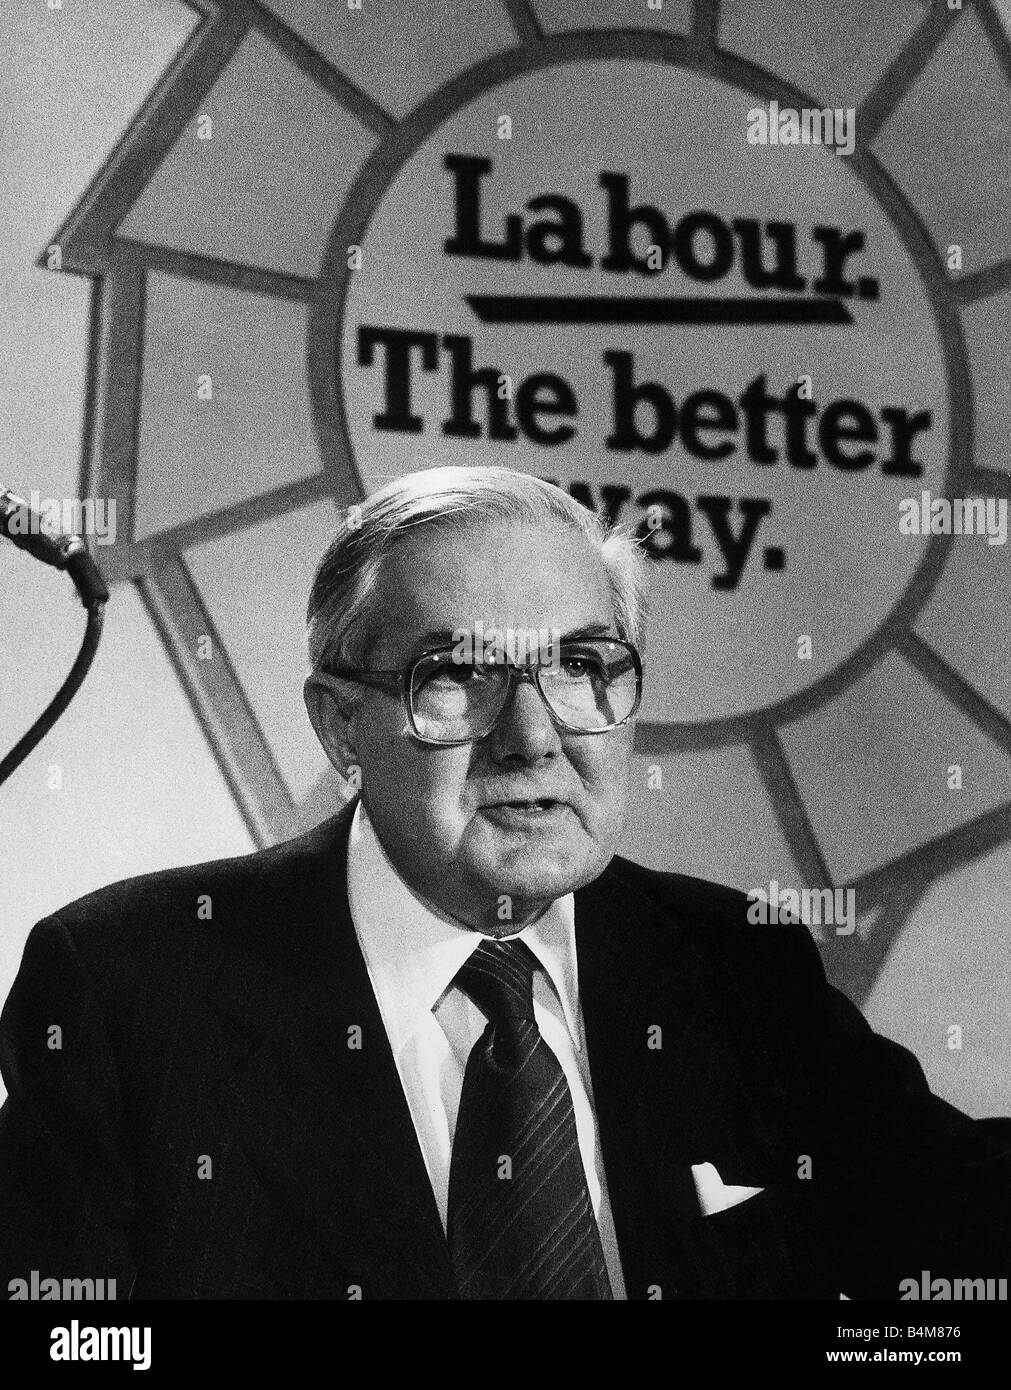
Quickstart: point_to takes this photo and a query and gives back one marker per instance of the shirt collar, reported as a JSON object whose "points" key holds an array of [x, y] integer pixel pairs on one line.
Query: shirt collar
{"points": [[413, 951]]}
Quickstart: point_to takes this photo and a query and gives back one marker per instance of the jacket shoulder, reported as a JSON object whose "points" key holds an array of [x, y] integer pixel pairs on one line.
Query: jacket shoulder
{"points": [[707, 901], [241, 884], [714, 919]]}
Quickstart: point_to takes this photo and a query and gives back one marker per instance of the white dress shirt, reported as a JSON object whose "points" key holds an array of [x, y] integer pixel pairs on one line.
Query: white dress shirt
{"points": [[413, 953]]}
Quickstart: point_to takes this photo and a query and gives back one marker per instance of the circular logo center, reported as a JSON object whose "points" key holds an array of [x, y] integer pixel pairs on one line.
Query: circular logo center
{"points": [[628, 278]]}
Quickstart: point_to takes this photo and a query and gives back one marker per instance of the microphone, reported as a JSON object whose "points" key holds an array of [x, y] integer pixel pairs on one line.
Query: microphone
{"points": [[24, 527]]}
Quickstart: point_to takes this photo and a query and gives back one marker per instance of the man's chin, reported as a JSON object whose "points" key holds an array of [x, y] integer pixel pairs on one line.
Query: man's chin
{"points": [[532, 873]]}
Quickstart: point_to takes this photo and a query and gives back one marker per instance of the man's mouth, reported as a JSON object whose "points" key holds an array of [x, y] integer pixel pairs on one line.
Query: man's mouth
{"points": [[519, 812], [542, 805]]}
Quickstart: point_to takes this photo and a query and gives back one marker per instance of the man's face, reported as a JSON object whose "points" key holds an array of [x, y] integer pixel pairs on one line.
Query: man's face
{"points": [[439, 811]]}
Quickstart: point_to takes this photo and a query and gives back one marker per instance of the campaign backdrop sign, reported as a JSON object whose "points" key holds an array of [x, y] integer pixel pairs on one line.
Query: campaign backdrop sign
{"points": [[606, 274]]}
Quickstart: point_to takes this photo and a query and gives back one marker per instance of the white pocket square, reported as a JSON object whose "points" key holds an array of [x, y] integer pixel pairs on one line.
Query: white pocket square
{"points": [[714, 1195]]}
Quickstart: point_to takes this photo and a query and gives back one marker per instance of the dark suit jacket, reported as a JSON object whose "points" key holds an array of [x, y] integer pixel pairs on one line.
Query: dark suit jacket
{"points": [[187, 1038]]}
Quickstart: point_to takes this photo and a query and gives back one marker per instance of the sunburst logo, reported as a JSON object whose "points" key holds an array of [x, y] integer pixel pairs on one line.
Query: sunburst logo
{"points": [[343, 242]]}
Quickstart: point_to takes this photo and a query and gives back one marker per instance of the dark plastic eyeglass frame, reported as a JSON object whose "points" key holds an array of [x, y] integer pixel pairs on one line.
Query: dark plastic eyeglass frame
{"points": [[400, 680]]}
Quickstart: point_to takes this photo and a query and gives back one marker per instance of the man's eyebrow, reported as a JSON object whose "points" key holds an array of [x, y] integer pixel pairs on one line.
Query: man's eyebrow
{"points": [[444, 636], [588, 630], [429, 641]]}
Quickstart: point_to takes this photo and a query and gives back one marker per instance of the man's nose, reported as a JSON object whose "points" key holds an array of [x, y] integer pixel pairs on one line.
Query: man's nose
{"points": [[524, 728]]}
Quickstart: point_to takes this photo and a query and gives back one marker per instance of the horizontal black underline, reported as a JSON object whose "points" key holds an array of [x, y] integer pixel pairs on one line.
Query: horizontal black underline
{"points": [[548, 308]]}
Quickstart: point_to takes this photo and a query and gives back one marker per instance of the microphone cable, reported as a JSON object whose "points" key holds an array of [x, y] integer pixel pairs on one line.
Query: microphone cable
{"points": [[24, 527]]}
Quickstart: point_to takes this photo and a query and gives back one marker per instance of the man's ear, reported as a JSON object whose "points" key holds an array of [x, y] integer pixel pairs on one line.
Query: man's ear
{"points": [[330, 708]]}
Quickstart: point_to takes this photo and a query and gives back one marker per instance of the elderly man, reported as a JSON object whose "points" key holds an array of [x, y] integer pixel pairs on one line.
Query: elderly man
{"points": [[450, 1045]]}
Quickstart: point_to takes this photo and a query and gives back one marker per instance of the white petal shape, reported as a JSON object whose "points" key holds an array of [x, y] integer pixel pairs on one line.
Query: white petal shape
{"points": [[265, 188], [966, 619], [872, 768], [946, 146], [710, 817], [395, 51], [951, 968], [987, 325], [834, 52], [558, 16], [255, 584], [254, 434]]}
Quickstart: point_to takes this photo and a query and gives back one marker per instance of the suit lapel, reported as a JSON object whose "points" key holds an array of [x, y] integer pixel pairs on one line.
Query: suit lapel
{"points": [[639, 1075], [711, 1089], [312, 1090]]}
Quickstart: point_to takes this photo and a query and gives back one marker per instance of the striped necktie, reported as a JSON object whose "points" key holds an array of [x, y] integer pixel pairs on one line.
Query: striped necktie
{"points": [[521, 1224]]}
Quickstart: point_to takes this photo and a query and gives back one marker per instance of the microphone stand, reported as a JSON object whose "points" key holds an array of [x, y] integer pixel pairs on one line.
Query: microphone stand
{"points": [[24, 527]]}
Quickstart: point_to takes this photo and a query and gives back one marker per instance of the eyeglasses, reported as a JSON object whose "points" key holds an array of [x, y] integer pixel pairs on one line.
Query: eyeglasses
{"points": [[589, 686]]}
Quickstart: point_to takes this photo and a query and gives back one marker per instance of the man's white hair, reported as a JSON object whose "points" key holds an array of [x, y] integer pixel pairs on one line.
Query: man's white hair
{"points": [[341, 620]]}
